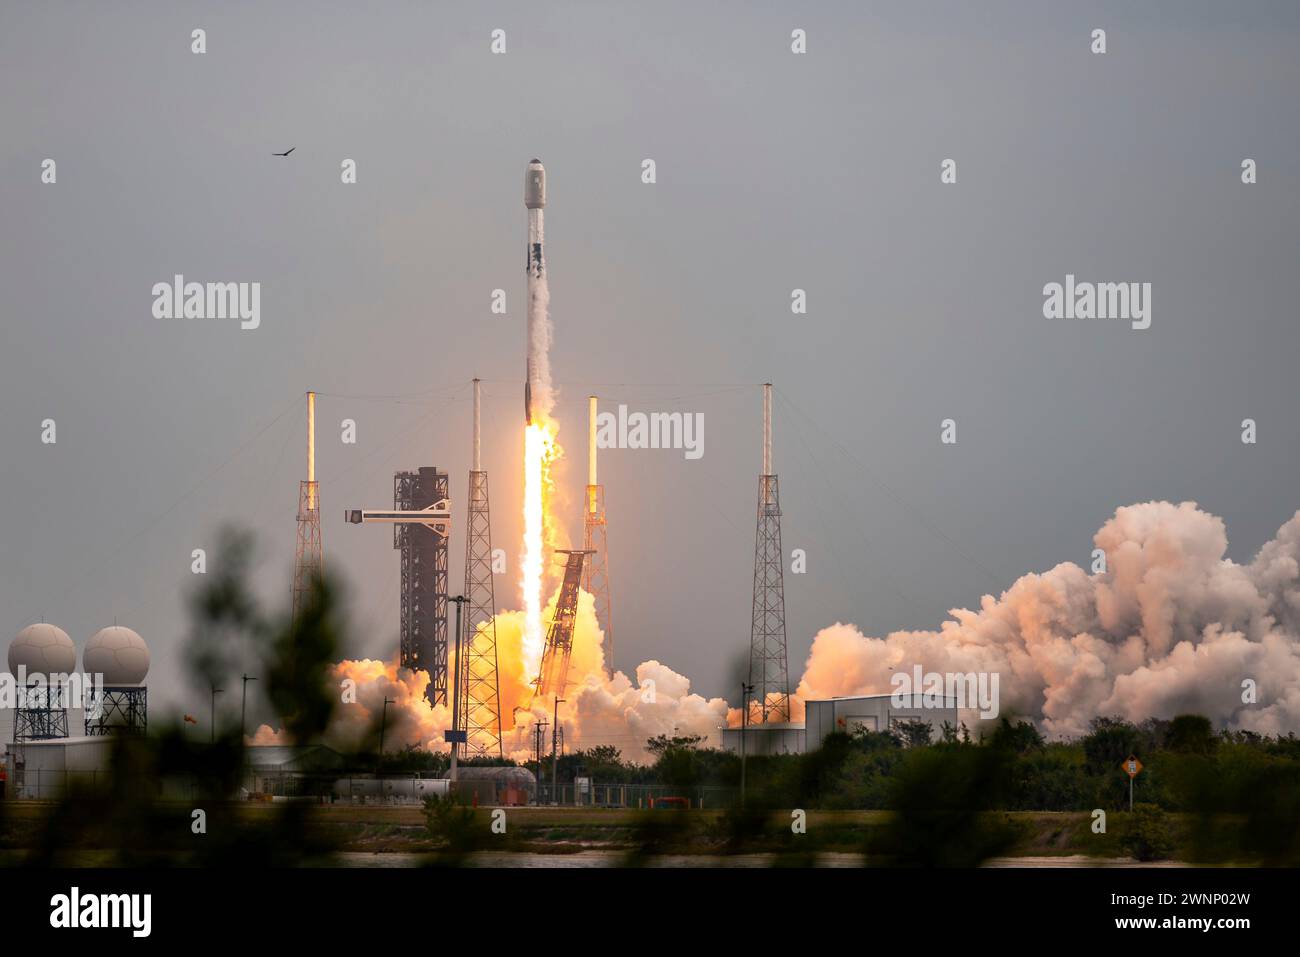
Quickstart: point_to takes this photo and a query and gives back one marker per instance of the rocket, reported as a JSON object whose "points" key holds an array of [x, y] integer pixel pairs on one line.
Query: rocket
{"points": [[535, 202]]}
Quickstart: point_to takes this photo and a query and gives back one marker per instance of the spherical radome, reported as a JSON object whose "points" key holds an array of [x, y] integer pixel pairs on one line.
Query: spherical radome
{"points": [[119, 654], [43, 649]]}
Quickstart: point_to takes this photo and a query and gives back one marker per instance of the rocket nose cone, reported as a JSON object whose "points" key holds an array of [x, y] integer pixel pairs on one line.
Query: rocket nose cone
{"points": [[535, 185]]}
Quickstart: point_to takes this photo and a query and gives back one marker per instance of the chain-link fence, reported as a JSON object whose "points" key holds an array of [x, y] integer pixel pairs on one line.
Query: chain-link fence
{"points": [[595, 794], [262, 785]]}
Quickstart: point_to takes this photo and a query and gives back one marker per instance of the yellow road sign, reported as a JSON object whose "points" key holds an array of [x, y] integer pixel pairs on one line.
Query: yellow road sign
{"points": [[1131, 766]]}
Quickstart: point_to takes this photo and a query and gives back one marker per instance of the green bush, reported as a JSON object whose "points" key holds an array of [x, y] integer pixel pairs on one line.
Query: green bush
{"points": [[1146, 834]]}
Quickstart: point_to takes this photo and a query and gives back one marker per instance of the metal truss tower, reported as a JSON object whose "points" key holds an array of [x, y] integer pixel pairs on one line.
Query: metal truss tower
{"points": [[477, 684], [42, 712], [307, 558], [123, 710], [595, 575], [768, 668], [554, 671]]}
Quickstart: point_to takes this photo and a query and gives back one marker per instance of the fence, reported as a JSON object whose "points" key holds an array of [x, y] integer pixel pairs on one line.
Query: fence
{"points": [[632, 795], [53, 785]]}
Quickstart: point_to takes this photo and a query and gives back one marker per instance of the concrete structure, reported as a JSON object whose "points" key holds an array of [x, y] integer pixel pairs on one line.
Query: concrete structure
{"points": [[870, 713], [46, 770]]}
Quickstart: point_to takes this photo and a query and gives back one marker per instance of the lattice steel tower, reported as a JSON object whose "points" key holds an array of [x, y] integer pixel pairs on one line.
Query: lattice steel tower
{"points": [[307, 559], [424, 577], [768, 668], [595, 574], [476, 684]]}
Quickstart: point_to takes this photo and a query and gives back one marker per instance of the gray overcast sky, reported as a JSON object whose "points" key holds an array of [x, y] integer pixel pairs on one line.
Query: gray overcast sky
{"points": [[775, 171]]}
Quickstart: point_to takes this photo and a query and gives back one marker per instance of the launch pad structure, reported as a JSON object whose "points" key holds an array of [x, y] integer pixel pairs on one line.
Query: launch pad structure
{"points": [[423, 642], [554, 671], [595, 574], [421, 520]]}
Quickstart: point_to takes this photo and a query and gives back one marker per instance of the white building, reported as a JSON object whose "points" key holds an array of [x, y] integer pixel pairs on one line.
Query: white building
{"points": [[772, 738], [44, 770], [821, 718], [873, 713]]}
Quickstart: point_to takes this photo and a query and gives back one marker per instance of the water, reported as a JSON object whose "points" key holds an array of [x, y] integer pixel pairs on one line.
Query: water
{"points": [[616, 858]]}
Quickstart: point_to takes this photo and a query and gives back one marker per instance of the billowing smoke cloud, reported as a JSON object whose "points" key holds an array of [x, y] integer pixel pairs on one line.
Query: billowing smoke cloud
{"points": [[1171, 626], [621, 711]]}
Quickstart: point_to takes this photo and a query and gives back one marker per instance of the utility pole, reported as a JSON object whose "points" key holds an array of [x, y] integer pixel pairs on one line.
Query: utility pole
{"points": [[555, 755], [457, 732], [212, 715], [745, 691], [383, 722], [539, 729], [243, 706]]}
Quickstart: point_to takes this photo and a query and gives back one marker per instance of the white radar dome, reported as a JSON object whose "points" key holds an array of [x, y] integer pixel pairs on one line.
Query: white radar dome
{"points": [[43, 649], [119, 654]]}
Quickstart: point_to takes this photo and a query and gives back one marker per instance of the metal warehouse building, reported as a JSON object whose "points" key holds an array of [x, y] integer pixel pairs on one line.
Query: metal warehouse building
{"points": [[772, 738], [871, 713], [821, 718], [44, 770]]}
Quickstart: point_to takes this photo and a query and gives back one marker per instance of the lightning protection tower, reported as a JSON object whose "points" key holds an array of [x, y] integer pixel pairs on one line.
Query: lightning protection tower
{"points": [[307, 559], [768, 670], [595, 574], [476, 684]]}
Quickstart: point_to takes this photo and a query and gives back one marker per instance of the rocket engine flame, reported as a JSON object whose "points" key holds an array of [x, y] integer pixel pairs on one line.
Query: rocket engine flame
{"points": [[540, 451]]}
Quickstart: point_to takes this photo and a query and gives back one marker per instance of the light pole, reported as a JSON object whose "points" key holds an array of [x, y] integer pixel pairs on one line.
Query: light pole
{"points": [[243, 707], [555, 754], [212, 715], [745, 691], [383, 721], [539, 735]]}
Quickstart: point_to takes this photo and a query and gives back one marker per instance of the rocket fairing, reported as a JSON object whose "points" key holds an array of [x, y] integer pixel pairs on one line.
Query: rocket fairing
{"points": [[535, 201]]}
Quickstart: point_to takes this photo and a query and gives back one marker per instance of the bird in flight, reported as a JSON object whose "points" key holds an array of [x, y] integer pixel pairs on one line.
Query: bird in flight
{"points": [[286, 152]]}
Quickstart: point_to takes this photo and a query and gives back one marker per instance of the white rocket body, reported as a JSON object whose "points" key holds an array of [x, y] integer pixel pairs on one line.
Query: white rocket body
{"points": [[535, 201]]}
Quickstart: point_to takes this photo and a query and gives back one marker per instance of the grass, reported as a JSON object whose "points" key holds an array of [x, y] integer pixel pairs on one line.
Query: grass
{"points": [[402, 828]]}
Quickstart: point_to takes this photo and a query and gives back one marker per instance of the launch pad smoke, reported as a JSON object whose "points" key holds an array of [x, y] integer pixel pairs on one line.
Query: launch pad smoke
{"points": [[1171, 627]]}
